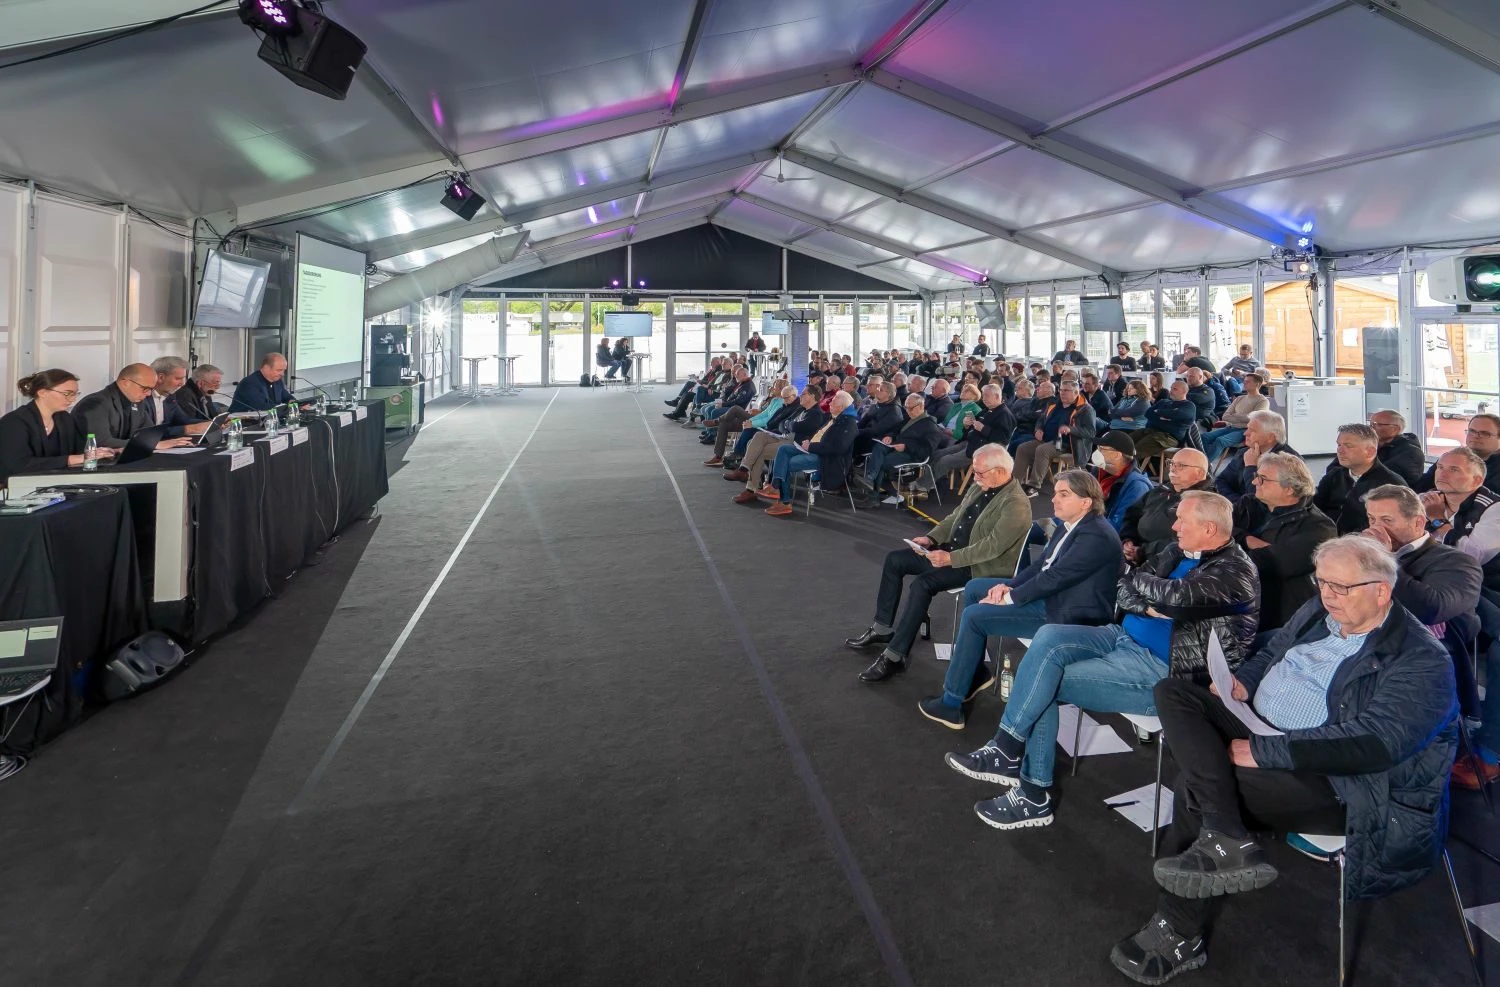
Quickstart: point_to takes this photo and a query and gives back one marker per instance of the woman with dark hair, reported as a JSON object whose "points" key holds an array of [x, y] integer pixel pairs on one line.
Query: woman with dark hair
{"points": [[41, 435], [1157, 385]]}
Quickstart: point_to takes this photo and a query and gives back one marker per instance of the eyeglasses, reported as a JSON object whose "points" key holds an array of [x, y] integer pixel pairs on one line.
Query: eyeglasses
{"points": [[70, 395], [1260, 478], [1375, 424], [145, 387], [1341, 589], [1482, 435], [1182, 467]]}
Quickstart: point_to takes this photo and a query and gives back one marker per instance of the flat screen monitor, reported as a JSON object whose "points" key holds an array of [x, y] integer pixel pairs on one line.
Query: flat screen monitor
{"points": [[328, 344], [991, 316], [773, 327], [627, 323], [232, 292], [1102, 313]]}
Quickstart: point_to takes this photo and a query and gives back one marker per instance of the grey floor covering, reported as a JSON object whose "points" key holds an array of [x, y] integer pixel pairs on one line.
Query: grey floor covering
{"points": [[579, 770]]}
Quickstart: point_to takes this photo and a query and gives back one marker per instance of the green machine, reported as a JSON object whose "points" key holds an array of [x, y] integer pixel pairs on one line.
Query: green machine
{"points": [[404, 403]]}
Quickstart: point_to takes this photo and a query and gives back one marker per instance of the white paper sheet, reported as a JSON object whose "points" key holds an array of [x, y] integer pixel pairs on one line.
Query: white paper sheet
{"points": [[1218, 670], [944, 652], [180, 450], [1486, 918], [1135, 805], [12, 643], [1095, 738]]}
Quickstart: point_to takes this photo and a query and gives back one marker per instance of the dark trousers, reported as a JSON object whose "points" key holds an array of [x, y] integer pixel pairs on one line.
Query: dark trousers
{"points": [[731, 422], [928, 581], [1211, 791]]}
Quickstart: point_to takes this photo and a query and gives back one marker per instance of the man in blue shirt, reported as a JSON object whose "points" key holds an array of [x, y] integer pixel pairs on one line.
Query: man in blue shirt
{"points": [[263, 389], [1211, 584], [1364, 698]]}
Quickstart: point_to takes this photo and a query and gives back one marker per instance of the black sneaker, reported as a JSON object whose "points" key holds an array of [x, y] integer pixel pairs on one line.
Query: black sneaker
{"points": [[1157, 953], [983, 679], [988, 763], [1215, 864], [1015, 811], [940, 712]]}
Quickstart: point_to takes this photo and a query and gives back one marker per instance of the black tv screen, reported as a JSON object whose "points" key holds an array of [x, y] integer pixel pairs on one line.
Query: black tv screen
{"points": [[1102, 313], [232, 292]]}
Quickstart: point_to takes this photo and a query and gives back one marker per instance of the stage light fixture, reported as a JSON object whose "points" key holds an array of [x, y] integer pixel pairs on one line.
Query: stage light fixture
{"points": [[277, 18], [461, 198], [615, 283], [640, 284]]}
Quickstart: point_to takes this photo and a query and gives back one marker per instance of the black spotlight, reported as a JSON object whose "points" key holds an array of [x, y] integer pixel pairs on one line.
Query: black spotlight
{"points": [[305, 46], [630, 300], [460, 197]]}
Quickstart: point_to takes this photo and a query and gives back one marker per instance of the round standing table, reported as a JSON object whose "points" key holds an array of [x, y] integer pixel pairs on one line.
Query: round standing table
{"points": [[508, 374], [474, 362], [640, 384]]}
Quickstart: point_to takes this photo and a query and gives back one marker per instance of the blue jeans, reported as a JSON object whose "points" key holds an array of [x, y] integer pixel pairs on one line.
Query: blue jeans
{"points": [[1095, 668], [979, 622], [743, 442], [789, 460], [1216, 441]]}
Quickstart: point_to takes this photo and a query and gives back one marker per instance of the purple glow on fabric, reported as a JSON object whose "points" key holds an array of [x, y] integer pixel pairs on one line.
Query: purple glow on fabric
{"points": [[437, 111], [595, 114], [593, 216]]}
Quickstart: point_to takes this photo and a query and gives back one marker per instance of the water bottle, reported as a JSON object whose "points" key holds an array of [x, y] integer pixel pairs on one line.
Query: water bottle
{"points": [[291, 414], [322, 405], [271, 424], [1007, 679], [91, 453]]}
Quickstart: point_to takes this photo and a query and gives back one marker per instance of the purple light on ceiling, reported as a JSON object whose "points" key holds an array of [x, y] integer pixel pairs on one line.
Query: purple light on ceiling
{"points": [[437, 111], [593, 216], [592, 115], [582, 178]]}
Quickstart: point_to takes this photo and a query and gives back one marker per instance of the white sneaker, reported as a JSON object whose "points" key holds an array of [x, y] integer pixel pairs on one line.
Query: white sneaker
{"points": [[892, 499]]}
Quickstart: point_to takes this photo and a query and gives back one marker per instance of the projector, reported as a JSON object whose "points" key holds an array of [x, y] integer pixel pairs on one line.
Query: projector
{"points": [[1470, 277]]}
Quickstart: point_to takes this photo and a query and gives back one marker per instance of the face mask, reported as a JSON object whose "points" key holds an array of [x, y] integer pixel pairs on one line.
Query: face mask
{"points": [[1097, 459]]}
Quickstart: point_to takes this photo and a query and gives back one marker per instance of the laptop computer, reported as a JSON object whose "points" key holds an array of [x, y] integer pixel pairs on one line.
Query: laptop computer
{"points": [[142, 444], [214, 434], [28, 655]]}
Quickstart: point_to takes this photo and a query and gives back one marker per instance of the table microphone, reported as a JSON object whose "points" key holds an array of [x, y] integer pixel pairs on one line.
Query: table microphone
{"points": [[316, 386]]}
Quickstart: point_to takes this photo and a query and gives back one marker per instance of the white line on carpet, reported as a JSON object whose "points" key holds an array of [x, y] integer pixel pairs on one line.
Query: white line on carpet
{"points": [[321, 767], [445, 414]]}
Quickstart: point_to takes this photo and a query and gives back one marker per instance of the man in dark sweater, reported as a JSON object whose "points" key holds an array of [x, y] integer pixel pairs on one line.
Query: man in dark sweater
{"points": [[1434, 581], [1202, 396], [1399, 449], [1481, 437], [1278, 527], [1355, 473]]}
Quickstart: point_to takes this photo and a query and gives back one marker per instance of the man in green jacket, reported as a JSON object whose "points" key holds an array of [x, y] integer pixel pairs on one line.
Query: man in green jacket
{"points": [[983, 537]]}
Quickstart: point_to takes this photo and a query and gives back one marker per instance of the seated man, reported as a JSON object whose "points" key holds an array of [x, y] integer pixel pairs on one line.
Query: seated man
{"points": [[1076, 586], [1167, 422], [171, 377], [1482, 438], [828, 452], [1400, 450], [990, 423], [1245, 362], [1147, 528], [800, 423], [918, 438], [1265, 433], [196, 396], [1123, 482], [1202, 396], [1202, 584], [1236, 419], [984, 536], [1067, 428], [939, 402], [1098, 398], [114, 414], [698, 391], [1193, 359], [736, 397], [1069, 353], [1434, 582], [1279, 527], [743, 422], [1364, 755], [1355, 472], [264, 389], [1465, 514]]}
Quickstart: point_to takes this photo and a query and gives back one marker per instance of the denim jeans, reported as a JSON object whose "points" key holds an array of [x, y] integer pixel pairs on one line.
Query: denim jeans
{"points": [[979, 622], [743, 441], [789, 460], [714, 414], [1095, 668], [1216, 441]]}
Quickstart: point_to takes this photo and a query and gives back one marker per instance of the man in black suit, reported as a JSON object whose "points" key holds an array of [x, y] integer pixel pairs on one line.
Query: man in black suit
{"points": [[116, 413], [196, 397], [1434, 581], [1356, 472], [1399, 449], [917, 440]]}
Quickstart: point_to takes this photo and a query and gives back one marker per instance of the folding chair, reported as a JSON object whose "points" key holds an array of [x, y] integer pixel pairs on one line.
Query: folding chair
{"points": [[1333, 847], [1145, 726]]}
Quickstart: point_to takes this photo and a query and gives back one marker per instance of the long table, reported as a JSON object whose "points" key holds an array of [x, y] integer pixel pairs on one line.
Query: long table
{"points": [[217, 532]]}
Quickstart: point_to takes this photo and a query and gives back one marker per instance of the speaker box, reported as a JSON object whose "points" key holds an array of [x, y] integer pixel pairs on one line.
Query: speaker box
{"points": [[322, 58], [465, 207], [385, 369]]}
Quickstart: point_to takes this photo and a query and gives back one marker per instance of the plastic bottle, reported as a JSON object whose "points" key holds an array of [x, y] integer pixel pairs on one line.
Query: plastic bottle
{"points": [[272, 425], [91, 453], [1007, 679], [236, 436], [291, 414]]}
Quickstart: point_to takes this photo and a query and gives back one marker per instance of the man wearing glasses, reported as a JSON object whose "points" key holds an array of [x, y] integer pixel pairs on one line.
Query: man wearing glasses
{"points": [[116, 413], [1399, 449], [1481, 437], [1279, 528], [1364, 697]]}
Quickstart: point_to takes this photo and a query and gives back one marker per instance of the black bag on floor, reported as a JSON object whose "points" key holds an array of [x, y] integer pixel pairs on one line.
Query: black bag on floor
{"points": [[140, 665], [588, 380]]}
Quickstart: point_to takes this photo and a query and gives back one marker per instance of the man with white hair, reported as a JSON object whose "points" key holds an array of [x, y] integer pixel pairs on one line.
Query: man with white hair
{"points": [[171, 375], [1363, 697], [196, 396], [1355, 471], [1465, 514], [983, 537], [1265, 432], [1202, 584], [829, 452]]}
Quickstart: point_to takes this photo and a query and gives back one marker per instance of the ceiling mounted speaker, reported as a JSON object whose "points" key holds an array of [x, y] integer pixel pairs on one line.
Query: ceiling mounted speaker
{"points": [[462, 199], [317, 54]]}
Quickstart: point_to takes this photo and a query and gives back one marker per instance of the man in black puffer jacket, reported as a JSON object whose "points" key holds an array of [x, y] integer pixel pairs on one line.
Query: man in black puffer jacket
{"points": [[1364, 697], [1400, 451], [1147, 528]]}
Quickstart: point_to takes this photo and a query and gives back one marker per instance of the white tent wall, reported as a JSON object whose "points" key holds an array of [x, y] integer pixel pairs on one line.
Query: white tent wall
{"points": [[85, 288]]}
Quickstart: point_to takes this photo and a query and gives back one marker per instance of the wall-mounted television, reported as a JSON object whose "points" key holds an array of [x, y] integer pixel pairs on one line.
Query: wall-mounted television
{"points": [[232, 292], [1102, 313], [627, 323]]}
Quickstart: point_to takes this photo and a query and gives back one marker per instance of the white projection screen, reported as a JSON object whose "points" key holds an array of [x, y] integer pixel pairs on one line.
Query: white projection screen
{"points": [[328, 339]]}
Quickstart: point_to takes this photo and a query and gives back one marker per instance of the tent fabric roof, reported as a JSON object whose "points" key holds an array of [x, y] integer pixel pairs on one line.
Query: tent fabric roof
{"points": [[930, 143]]}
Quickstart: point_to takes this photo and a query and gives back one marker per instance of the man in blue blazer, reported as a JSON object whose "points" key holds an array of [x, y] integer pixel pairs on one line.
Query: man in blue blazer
{"points": [[1073, 581], [263, 390]]}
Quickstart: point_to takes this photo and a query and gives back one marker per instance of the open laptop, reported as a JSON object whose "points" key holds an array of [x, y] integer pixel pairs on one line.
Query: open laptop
{"points": [[28, 655], [214, 434], [142, 444]]}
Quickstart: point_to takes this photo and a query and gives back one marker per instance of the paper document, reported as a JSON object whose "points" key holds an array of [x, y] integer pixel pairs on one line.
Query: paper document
{"points": [[915, 547], [1094, 738], [1218, 670], [1487, 918], [1135, 805], [180, 450]]}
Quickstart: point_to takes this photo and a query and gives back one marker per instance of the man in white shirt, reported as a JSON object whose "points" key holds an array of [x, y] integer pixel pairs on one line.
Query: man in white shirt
{"points": [[171, 374]]}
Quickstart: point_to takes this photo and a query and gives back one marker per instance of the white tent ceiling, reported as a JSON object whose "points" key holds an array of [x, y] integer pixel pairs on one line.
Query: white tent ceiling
{"points": [[925, 142]]}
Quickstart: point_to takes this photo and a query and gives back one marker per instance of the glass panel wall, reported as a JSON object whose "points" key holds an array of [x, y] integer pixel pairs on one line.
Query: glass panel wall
{"points": [[906, 334], [1039, 328], [1015, 327], [1461, 377], [838, 327], [1360, 303], [567, 341], [1231, 322], [656, 367], [874, 328], [1140, 319], [1289, 307], [1180, 326], [523, 337], [480, 338]]}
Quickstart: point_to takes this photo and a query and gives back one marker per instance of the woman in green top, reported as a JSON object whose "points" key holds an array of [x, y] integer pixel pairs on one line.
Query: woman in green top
{"points": [[968, 405]]}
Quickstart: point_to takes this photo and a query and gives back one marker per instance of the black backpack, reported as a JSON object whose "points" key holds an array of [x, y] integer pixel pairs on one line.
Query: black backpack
{"points": [[140, 665], [588, 380]]}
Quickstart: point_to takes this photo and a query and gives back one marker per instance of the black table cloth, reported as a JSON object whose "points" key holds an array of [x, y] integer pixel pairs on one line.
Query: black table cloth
{"points": [[76, 560]]}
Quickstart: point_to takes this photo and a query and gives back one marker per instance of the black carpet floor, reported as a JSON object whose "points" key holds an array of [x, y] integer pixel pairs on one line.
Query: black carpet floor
{"points": [[563, 714]]}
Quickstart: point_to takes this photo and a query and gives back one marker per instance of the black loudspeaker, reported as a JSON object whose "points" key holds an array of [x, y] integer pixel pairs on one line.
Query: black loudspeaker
{"points": [[465, 207], [385, 369], [322, 58]]}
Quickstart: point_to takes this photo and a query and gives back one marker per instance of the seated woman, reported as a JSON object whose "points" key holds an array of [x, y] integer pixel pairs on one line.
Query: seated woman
{"points": [[620, 357], [1157, 385], [41, 435], [1130, 413]]}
